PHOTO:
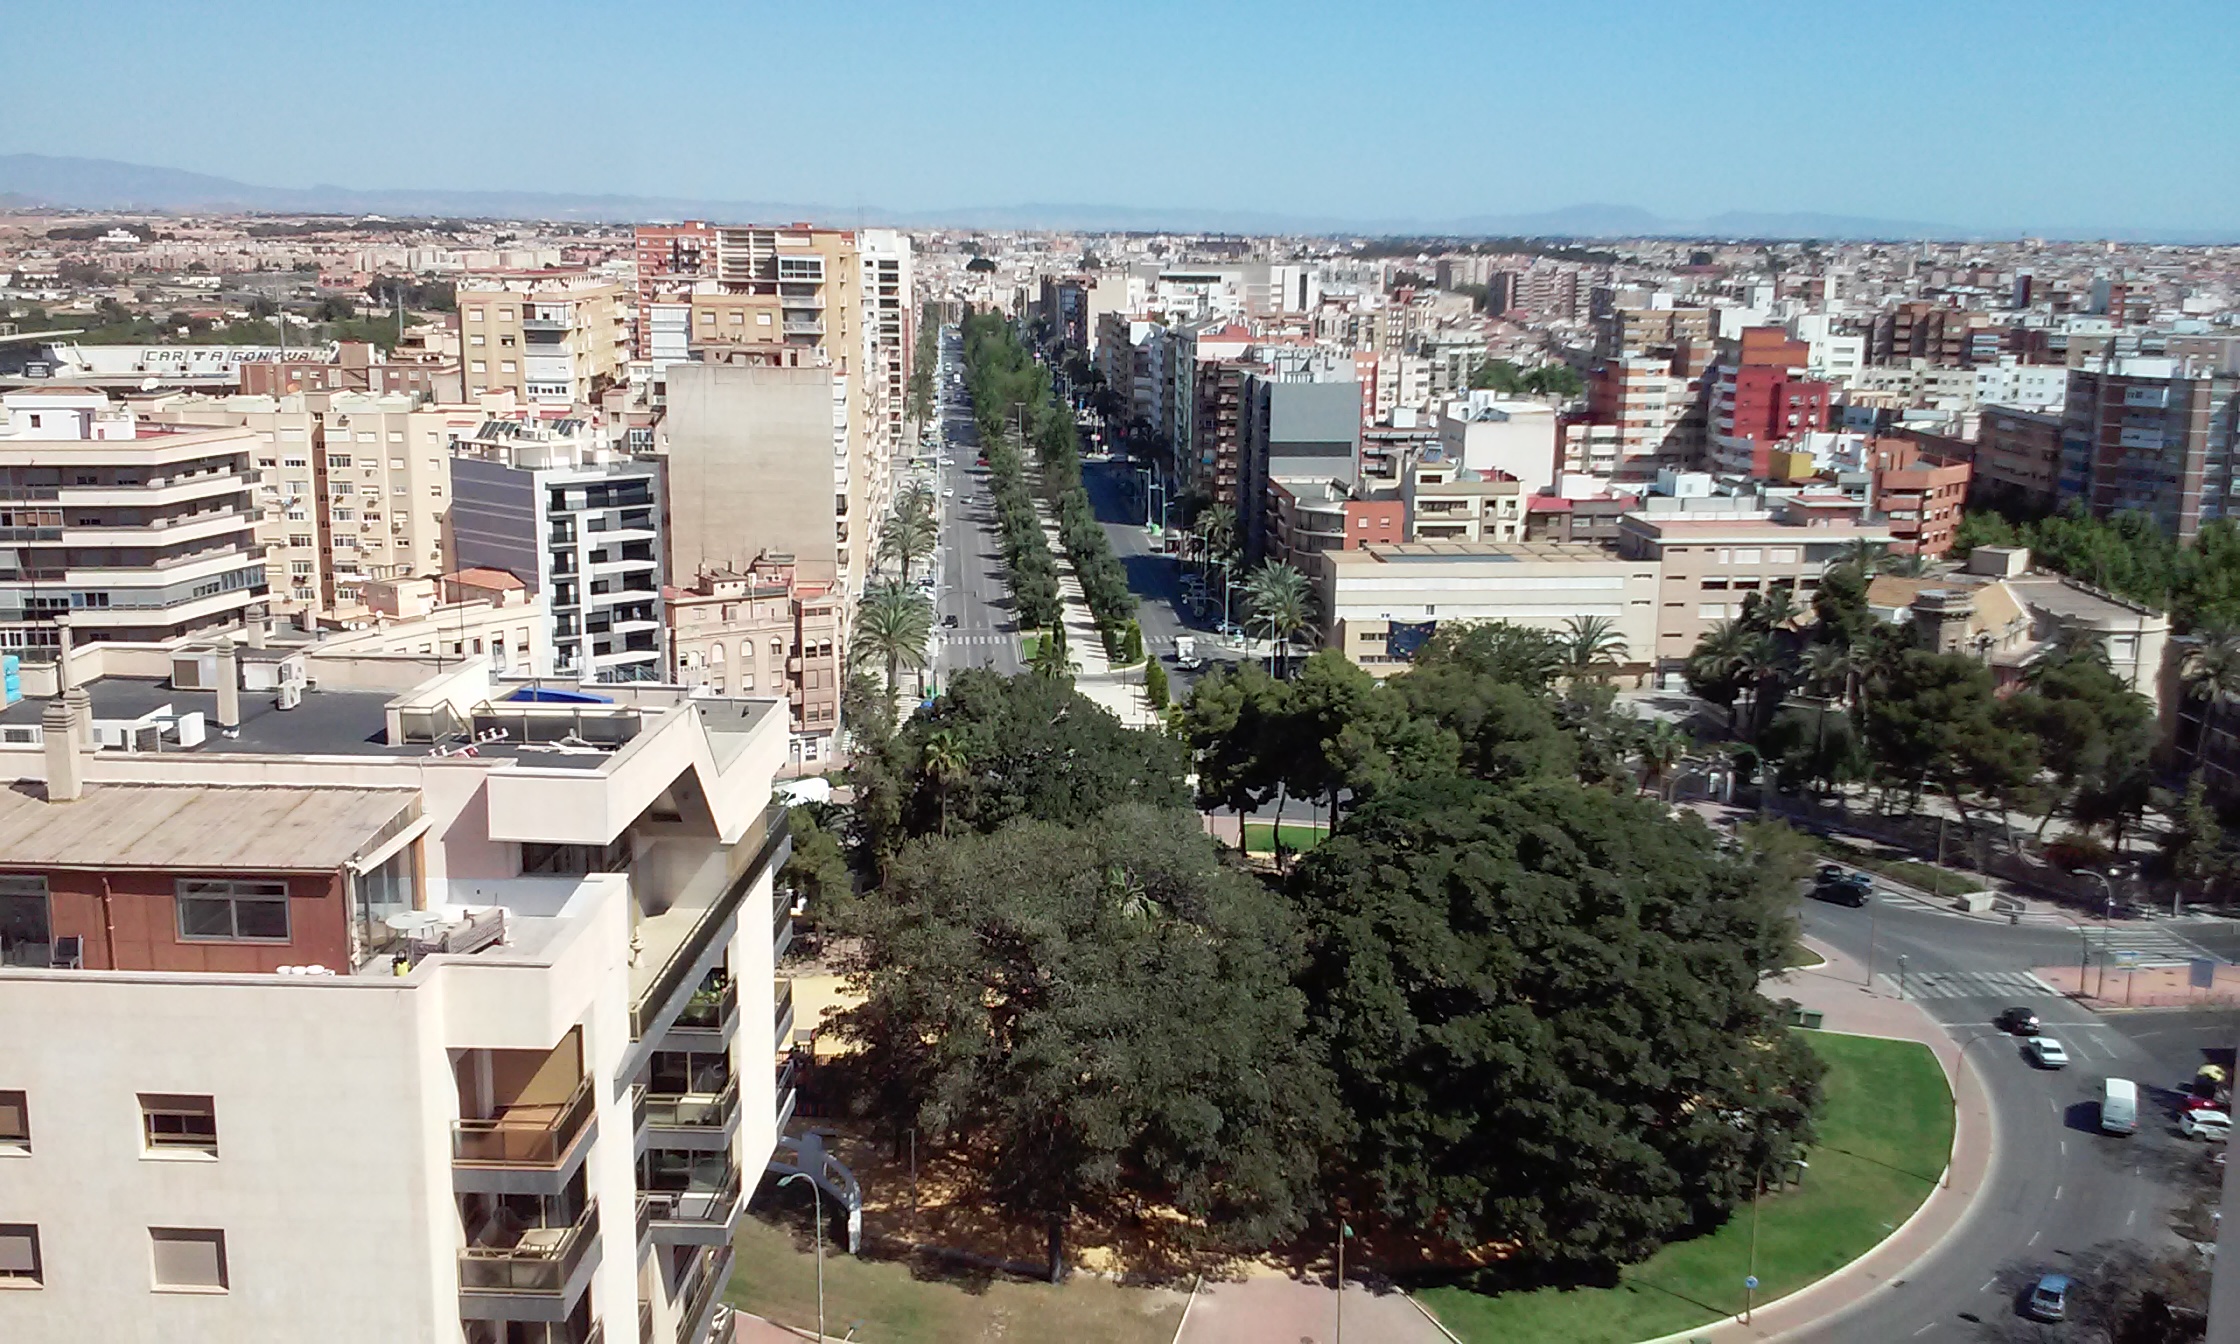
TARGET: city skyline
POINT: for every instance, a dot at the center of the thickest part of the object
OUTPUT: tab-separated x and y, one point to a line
1253	111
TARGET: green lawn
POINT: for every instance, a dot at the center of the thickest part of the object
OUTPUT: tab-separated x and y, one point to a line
1028	643
1927	876
1298	836
773	1279
1884	1135
1800	955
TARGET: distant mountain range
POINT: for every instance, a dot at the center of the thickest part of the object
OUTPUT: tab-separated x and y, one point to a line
29	180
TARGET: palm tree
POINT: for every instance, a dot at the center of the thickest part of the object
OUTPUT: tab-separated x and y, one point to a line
907	538
1050	658
946	764
1759	663
1217	532
1776	608
2212	672
1914	565
1592	644
1281	605
1869	556
893	625
916	501
1662	746
1833	670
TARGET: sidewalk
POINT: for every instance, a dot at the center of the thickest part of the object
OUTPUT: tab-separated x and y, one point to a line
2107	989
1834	990
1118	693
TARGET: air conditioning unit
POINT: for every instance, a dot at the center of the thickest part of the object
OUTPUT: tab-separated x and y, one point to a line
290	695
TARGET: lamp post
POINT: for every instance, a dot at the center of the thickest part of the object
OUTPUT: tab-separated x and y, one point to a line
1345	1229
1901	976
2107	919
817	1201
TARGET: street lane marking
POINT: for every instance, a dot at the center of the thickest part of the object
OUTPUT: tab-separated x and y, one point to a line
1988	1285
2057	1191
1924	1329
2034	1238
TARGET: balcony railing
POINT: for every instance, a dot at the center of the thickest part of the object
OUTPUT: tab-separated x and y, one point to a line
709	1010
693	1110
524	1136
781	1016
700	1302
701	1207
541	1262
781	930
760	845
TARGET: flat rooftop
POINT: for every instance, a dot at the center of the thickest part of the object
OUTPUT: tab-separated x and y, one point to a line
161	826
1492	552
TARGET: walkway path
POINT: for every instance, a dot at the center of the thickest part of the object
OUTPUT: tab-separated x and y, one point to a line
1119	692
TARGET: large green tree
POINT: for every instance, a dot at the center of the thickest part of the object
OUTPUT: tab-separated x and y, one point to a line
1541	1006
1101	1017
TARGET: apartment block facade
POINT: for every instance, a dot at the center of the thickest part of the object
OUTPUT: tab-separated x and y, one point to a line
763	632
1379	604
2018	457
134	532
2153	436
553	339
578	523
1763	399
552	960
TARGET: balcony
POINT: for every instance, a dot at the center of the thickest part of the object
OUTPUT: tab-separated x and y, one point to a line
540	1136
700	1299
676	940
709	1019
788	1095
535	1278
693	1121
704	1217
782	1016
795	326
781	930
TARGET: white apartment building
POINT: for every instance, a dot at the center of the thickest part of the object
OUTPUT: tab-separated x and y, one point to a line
1447	501
1514	436
890	318
581	525
134	532
2032	387
556	340
421	1044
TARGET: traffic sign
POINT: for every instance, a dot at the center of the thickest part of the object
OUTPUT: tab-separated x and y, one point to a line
1751	1283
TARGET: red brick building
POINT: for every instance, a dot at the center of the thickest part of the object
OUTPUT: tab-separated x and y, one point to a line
1921	495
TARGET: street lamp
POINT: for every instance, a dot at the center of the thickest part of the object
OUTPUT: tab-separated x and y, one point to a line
817	1201
1901	976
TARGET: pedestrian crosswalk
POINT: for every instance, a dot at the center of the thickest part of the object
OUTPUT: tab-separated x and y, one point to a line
966	638
2151	946
1968	985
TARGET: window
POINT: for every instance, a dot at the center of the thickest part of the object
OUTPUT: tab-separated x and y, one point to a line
173	1123
475	339
19	1254
15	1123
189	1259
338	459
233	911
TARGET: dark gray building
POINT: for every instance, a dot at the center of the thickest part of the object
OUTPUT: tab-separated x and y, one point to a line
1290	428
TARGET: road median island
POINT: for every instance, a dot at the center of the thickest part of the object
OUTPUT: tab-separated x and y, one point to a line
1885	1132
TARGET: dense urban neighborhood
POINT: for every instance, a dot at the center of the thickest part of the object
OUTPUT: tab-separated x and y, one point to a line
1606	784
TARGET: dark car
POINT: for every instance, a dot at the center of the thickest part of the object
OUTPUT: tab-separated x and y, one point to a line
1845	888
948	621
2018	1021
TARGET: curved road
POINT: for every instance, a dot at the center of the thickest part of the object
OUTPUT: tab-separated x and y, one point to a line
2057	1186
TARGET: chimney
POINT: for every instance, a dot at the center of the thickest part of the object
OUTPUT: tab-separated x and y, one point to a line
253	627
66	767
229	689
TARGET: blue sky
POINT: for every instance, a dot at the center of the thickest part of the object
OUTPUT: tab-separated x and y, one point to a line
1974	113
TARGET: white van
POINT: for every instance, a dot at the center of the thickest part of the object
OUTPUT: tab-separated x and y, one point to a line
2119	1106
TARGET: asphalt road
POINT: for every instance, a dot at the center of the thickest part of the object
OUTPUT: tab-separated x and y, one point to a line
2058	1187
969	559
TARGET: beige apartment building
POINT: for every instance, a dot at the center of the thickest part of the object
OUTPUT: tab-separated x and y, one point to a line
1379	603
553	338
762	633
1716	556
352	487
1447	501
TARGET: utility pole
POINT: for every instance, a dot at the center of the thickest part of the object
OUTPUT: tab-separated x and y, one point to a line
1344	1230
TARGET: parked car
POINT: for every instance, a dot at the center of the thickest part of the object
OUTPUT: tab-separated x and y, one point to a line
2193	1101
2207	1126
2048	1298
2047	1053
1845	888
2017	1021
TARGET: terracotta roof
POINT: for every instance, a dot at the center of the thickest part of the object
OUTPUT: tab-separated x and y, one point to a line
486	578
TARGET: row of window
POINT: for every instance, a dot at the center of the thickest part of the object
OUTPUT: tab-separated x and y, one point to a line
209	910
170	1123
180	1259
